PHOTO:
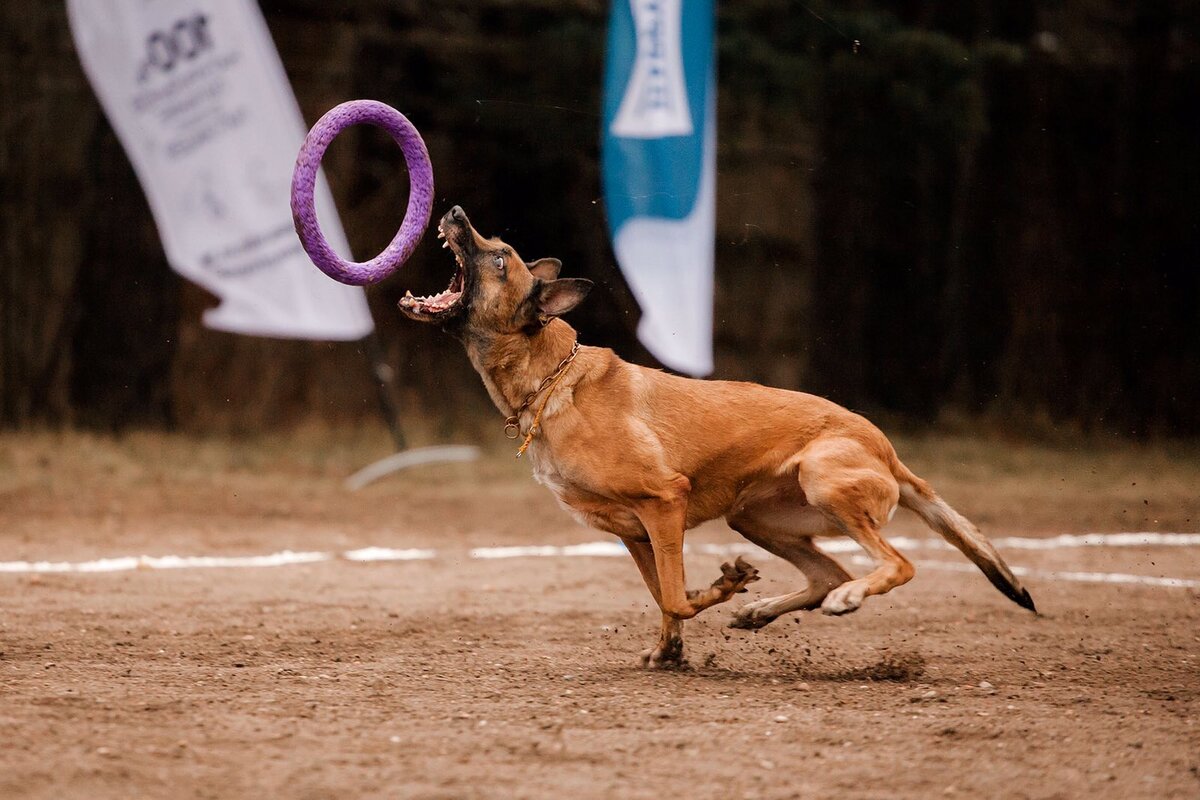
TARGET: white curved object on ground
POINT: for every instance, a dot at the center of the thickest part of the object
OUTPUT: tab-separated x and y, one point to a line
411	458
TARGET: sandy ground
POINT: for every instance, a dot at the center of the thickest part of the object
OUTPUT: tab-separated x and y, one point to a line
458	677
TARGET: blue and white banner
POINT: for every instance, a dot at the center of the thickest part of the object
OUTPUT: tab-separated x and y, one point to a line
198	96
659	167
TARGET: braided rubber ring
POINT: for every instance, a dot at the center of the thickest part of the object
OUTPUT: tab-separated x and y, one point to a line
420	194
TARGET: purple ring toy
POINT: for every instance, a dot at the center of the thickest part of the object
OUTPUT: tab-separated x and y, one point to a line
420	194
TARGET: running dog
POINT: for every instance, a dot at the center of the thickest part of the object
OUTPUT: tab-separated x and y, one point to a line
647	455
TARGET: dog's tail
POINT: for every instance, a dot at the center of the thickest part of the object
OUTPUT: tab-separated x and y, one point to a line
919	497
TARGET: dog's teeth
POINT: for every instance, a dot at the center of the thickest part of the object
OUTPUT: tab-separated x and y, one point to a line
445	245
408	294
441	235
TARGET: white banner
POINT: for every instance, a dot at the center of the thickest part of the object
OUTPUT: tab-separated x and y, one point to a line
199	98
658	161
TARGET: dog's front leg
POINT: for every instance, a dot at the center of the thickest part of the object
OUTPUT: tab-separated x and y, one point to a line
668	653
664	516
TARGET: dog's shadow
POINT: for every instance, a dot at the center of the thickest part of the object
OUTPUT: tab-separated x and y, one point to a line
903	667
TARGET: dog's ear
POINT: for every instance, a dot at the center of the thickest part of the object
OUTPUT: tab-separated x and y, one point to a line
556	298
545	268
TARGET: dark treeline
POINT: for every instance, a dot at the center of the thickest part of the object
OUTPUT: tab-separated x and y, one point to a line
924	208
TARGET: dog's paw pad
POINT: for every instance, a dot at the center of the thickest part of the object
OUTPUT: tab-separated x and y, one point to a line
735	576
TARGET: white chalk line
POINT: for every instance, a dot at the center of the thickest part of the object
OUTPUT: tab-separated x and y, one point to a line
607	549
281	559
1063	542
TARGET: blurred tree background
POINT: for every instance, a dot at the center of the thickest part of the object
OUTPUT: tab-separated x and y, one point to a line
928	209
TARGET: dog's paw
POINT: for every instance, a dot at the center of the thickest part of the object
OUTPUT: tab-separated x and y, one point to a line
735	576
751	616
845	598
666	655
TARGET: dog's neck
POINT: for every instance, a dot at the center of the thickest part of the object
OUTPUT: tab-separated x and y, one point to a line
513	364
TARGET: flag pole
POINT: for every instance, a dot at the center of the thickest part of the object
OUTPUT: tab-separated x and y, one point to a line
389	409
385	376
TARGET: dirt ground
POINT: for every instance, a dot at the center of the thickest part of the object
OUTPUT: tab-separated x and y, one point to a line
459	677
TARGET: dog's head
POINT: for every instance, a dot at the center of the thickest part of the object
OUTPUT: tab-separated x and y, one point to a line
493	290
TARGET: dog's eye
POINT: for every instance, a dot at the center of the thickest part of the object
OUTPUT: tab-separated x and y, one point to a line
498	261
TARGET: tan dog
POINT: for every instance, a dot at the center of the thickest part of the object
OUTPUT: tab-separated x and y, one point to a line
647	455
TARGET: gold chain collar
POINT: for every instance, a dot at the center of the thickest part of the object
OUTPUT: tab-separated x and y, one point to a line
512	424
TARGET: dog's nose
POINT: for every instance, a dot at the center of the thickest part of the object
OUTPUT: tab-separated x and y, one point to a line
458	214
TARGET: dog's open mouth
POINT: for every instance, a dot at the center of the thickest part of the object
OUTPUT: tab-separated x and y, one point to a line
448	302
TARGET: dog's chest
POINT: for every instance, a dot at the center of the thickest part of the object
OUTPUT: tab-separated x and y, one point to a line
547	471
584	505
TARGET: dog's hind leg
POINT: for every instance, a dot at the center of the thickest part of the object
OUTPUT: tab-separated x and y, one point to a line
822	573
892	570
858	494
